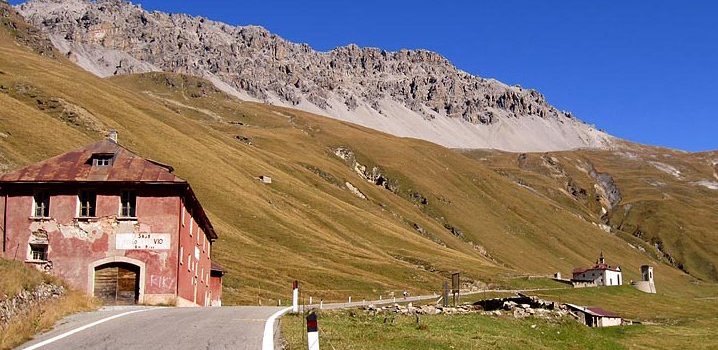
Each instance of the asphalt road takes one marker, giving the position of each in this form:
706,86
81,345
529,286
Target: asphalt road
162,328
134,328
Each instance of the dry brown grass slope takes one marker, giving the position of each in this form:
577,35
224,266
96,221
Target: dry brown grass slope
306,225
40,316
668,205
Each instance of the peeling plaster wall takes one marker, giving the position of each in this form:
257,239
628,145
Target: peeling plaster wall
73,245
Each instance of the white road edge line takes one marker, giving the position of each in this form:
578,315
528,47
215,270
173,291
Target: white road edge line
80,329
268,338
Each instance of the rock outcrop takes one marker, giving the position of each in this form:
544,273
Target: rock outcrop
21,303
414,93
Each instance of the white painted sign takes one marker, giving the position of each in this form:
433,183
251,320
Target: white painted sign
143,241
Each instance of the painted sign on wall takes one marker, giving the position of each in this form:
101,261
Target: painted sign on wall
143,241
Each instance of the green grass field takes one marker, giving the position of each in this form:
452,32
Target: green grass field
667,322
357,330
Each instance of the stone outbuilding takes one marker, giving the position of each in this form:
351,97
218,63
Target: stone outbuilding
120,227
595,316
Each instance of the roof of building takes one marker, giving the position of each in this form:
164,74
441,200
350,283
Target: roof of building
217,267
595,311
601,312
76,166
126,167
597,267
216,270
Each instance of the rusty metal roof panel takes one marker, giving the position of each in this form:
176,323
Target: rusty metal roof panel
217,267
602,312
76,166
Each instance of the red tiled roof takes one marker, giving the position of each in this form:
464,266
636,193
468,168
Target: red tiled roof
597,267
76,166
601,312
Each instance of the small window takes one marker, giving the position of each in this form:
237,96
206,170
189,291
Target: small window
181,255
183,214
128,204
41,205
102,160
38,252
88,202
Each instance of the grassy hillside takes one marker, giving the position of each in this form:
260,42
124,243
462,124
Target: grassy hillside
668,198
436,210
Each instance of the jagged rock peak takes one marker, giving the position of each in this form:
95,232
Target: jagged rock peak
414,93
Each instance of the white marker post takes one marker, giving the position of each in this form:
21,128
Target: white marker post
312,332
295,297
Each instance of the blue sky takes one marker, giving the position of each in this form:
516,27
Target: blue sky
642,70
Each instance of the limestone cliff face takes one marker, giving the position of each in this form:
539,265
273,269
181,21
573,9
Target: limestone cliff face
414,93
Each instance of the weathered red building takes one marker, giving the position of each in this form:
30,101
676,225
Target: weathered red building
123,228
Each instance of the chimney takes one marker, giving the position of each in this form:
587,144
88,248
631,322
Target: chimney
112,135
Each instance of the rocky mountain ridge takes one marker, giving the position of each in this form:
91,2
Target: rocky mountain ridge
412,93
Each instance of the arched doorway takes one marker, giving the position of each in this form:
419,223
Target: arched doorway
117,283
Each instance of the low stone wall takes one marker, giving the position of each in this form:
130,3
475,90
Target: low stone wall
21,303
518,307
581,284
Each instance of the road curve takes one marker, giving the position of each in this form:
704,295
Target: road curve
161,328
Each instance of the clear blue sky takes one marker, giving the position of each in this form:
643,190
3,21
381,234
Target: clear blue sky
646,70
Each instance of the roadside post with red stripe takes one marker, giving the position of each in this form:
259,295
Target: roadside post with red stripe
312,331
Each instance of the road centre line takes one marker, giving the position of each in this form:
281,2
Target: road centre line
80,329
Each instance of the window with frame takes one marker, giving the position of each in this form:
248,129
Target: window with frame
128,204
102,160
38,252
41,204
88,203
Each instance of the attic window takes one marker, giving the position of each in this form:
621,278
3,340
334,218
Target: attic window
102,159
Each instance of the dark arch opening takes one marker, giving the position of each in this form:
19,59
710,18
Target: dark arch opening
117,283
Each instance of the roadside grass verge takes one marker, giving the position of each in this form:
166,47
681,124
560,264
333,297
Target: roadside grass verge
41,316
16,277
353,329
